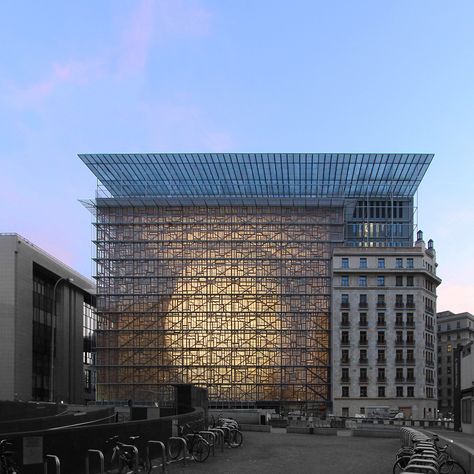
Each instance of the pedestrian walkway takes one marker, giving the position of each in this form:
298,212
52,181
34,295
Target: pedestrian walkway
282,453
465,440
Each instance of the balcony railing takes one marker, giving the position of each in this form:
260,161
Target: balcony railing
363,379
345,379
399,342
410,343
381,324
399,304
410,324
381,379
345,361
363,342
345,343
411,379
381,342
399,361
410,304
411,362
363,324
345,324
363,305
363,360
381,360
381,305
345,305
399,324
399,379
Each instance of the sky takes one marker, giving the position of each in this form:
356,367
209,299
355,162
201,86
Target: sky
343,76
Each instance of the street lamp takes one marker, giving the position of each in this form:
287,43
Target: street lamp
53,319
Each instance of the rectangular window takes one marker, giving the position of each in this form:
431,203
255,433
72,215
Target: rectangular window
398,280
409,262
363,391
410,392
399,392
363,355
345,262
398,263
363,262
381,355
345,300
345,337
380,301
381,263
381,319
363,301
345,319
381,391
345,391
381,375
381,337
344,280
410,301
345,374
362,280
363,319
363,337
345,356
399,301
410,280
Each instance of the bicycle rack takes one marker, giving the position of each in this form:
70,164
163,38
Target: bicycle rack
208,436
101,459
162,454
220,435
57,464
183,442
135,455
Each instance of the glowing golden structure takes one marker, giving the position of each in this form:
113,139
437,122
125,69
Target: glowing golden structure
233,298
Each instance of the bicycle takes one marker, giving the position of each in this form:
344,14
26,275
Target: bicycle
7,464
125,458
440,457
196,445
232,434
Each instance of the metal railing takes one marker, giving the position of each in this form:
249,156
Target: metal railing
57,463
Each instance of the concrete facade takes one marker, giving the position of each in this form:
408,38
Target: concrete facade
22,264
383,331
454,330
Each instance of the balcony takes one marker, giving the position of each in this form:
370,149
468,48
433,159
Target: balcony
412,361
399,379
411,324
411,305
399,323
345,379
381,379
381,324
399,342
381,342
430,363
381,305
363,305
429,345
411,379
345,361
363,379
410,343
363,342
399,305
345,343
363,360
399,361
345,305
382,361
345,324
363,324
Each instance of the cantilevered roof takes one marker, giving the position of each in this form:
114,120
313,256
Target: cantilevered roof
258,175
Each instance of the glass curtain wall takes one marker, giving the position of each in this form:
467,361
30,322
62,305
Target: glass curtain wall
235,299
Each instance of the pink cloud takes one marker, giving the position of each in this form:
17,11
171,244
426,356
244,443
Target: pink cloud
455,297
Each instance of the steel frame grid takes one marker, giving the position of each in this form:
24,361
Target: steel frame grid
236,299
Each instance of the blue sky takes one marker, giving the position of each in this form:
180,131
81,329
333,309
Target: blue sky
244,76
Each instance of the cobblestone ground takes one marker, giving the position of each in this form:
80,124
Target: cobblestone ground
297,453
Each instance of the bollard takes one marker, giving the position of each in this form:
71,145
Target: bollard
101,459
57,464
162,452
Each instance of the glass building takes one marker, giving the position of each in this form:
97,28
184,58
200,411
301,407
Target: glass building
215,269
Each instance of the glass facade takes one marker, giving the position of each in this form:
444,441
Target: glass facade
236,299
215,269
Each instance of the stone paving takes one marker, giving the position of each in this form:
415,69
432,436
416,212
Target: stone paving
298,453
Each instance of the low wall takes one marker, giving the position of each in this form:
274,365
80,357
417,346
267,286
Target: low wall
71,444
20,410
260,428
104,415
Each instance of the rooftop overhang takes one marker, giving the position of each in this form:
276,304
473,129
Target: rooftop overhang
220,178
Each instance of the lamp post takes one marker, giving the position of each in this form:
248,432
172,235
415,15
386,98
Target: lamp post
53,319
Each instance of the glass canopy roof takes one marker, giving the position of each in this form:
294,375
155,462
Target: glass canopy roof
258,175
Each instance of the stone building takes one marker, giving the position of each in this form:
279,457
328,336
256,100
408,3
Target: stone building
383,331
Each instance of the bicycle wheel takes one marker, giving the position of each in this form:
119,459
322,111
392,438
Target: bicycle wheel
235,438
174,449
400,464
200,450
451,467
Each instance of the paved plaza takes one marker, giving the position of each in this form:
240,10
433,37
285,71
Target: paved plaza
297,453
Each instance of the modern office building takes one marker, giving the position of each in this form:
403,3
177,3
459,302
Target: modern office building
216,269
384,333
34,286
454,331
